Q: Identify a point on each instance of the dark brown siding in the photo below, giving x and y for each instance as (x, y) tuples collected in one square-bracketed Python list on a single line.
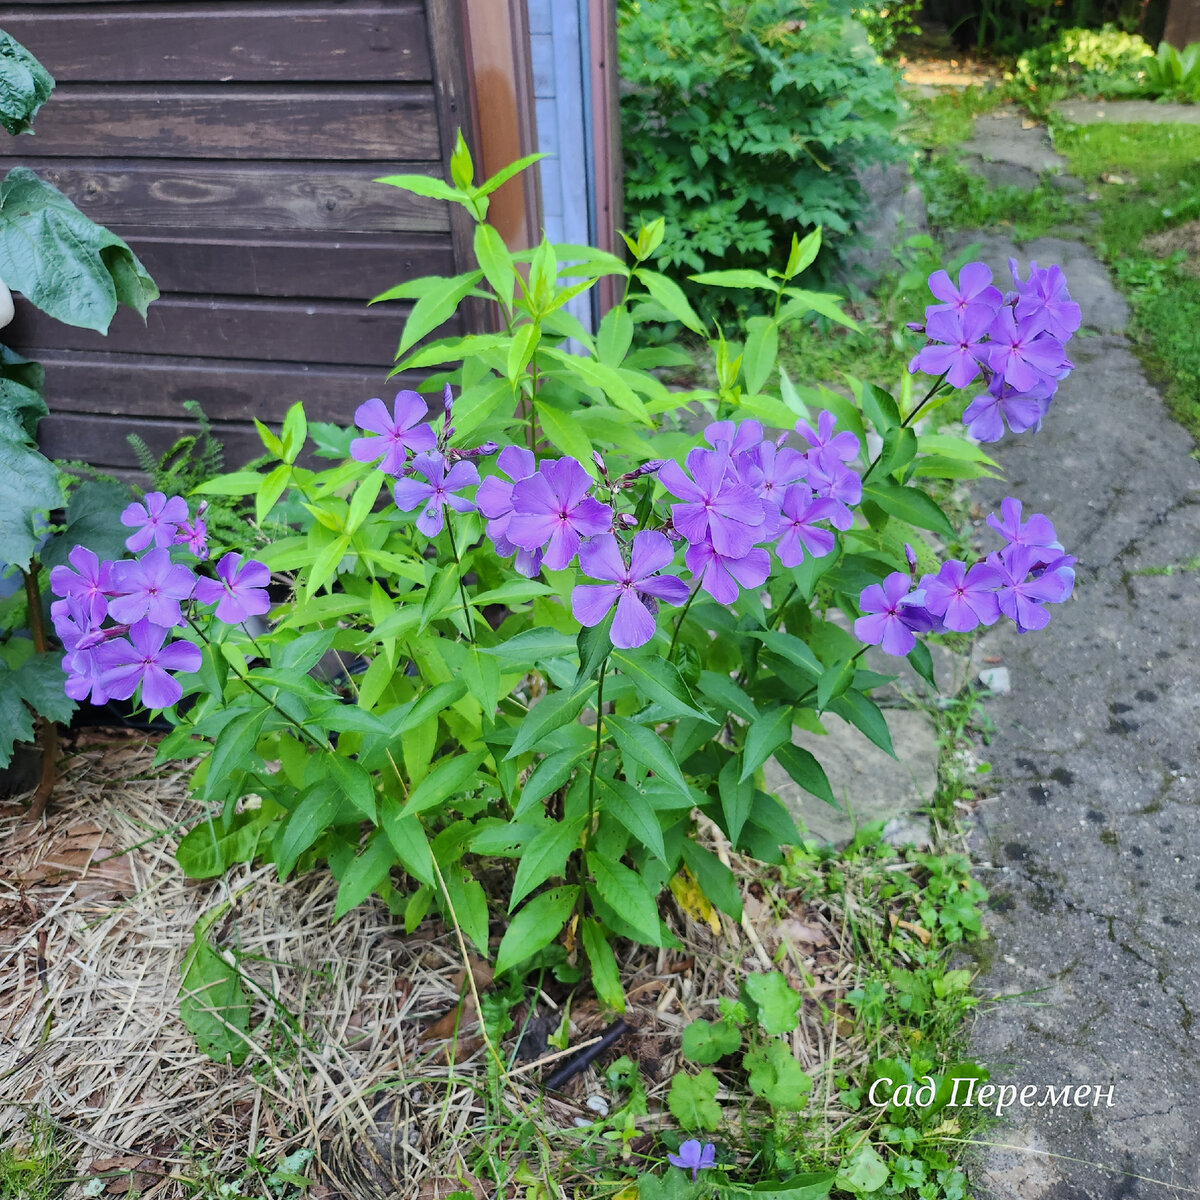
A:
[(234, 146)]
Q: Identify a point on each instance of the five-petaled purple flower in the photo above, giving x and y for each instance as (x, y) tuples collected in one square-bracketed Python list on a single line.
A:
[(963, 598), (716, 506), (894, 615), (239, 591), (601, 558), (694, 1157), (90, 582), (151, 587), (156, 521), (398, 432), (552, 509), (143, 659), (494, 500), (438, 491)]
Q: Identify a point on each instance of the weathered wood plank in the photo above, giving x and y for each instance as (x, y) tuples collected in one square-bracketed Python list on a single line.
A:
[(155, 386), (368, 124), (279, 198), (354, 267), (193, 42), (103, 440), (229, 327)]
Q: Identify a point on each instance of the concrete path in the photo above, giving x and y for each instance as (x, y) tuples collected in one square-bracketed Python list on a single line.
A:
[(1091, 844), (1127, 112)]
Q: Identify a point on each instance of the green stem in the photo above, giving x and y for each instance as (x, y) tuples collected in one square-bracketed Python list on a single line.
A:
[(904, 424), (33, 599), (679, 623), (320, 744), (587, 833), (462, 591)]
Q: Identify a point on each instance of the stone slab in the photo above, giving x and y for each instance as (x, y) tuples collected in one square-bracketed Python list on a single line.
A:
[(1126, 112)]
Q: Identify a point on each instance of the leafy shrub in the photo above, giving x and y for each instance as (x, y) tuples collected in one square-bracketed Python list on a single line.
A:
[(1010, 26), (1174, 73), (744, 125), (887, 21), (1096, 62)]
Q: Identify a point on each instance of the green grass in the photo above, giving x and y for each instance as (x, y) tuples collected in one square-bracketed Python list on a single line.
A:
[(34, 1168), (936, 122), (1159, 169)]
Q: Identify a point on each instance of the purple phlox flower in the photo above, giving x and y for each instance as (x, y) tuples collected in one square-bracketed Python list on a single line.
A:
[(90, 582), (151, 587), (156, 521), (779, 468), (552, 511), (145, 660), (239, 591), (722, 575), (843, 446), (647, 468), (694, 1157), (893, 615), (438, 490), (194, 535), (716, 506), (974, 293), (986, 414), (831, 479), (1044, 298), (1021, 592), (494, 500), (734, 439), (800, 512), (631, 586), (73, 619), (398, 432), (1037, 531), (1025, 356), (454, 453), (963, 598), (910, 557), (956, 345)]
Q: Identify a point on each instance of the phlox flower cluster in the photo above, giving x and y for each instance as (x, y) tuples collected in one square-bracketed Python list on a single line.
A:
[(732, 502), (1028, 572), (117, 619), (1014, 341)]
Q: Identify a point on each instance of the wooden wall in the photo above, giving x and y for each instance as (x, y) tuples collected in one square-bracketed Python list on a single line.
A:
[(233, 144)]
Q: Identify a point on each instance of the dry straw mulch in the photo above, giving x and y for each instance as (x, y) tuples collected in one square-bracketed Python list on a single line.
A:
[(354, 1053)]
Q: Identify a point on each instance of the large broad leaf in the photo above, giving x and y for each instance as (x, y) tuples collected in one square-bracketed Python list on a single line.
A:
[(535, 926), (212, 1003), (25, 85), (70, 267), (29, 486), (38, 684), (93, 520)]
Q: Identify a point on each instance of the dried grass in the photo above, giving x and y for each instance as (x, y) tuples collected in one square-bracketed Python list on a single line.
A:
[(95, 919)]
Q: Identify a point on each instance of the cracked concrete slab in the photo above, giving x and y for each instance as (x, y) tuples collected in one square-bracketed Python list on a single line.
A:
[(1126, 112), (1090, 845)]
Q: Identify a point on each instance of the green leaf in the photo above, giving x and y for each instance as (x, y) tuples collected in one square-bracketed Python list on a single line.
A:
[(670, 295), (630, 809), (763, 737), (834, 681), (693, 1101), (758, 358), (802, 302), (548, 714), (879, 407), (270, 489), (535, 926), (627, 895), (788, 646), (208, 850), (564, 433), (607, 379), (548, 776), (723, 691), (532, 645), (234, 749), (774, 1075), (353, 782), (29, 486), (775, 1005), (469, 902), (424, 185), (738, 278), (294, 432), (364, 874), (448, 778), (492, 255), (863, 1171), (521, 351), (606, 979), (239, 483), (810, 1186), (68, 266), (716, 880), (804, 769), (437, 305), (502, 176), (803, 253), (310, 818), (658, 680), (93, 520), (854, 707), (921, 661), (212, 1002), (614, 336), (911, 505), (25, 85), (899, 449), (408, 839), (637, 744), (545, 857), (737, 798), (706, 1043), (39, 681)]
